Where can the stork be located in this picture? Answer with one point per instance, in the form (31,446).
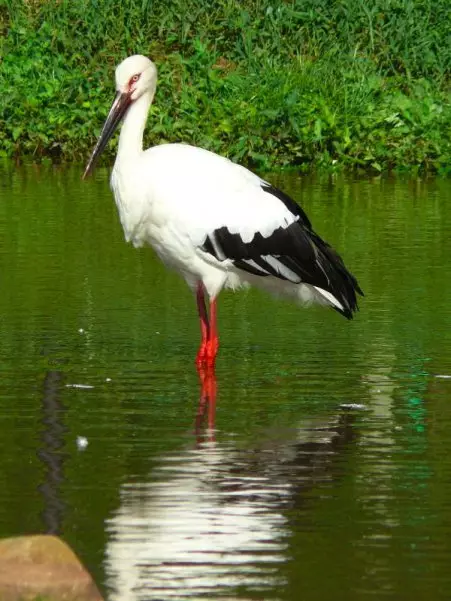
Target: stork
(215,222)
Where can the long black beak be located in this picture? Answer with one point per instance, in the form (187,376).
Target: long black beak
(116,114)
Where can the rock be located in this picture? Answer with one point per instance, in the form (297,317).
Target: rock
(43,566)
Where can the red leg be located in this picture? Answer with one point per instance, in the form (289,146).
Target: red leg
(206,356)
(213,340)
(204,325)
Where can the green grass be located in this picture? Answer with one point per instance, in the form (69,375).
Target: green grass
(326,83)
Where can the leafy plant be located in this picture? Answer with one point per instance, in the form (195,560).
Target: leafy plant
(344,83)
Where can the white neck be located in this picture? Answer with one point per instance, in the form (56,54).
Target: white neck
(131,138)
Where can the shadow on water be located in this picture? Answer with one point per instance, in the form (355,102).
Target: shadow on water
(212,519)
(51,454)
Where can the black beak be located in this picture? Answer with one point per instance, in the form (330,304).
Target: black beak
(115,116)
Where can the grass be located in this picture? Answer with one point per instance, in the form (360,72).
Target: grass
(323,83)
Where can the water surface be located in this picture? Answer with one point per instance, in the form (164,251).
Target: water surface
(323,467)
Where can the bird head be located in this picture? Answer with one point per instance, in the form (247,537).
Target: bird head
(135,76)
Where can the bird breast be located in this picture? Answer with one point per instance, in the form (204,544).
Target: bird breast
(134,205)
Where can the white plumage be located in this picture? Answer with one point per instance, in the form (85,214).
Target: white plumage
(212,220)
(186,193)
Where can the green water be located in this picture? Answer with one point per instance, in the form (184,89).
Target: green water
(285,490)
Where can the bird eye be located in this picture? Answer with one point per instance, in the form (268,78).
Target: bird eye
(135,78)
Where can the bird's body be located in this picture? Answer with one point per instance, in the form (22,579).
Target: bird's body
(215,222)
(185,194)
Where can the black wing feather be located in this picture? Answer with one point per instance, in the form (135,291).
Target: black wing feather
(291,205)
(295,247)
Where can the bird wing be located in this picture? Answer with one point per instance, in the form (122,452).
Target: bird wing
(291,251)
(200,191)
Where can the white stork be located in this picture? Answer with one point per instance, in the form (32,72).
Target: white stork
(217,223)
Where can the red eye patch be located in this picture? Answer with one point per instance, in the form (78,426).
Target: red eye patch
(133,79)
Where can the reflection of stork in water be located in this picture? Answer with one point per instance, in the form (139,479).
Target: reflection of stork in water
(211,519)
(207,402)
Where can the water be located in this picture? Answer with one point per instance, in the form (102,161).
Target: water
(321,470)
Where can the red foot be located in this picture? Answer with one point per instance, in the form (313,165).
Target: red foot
(201,354)
(206,357)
